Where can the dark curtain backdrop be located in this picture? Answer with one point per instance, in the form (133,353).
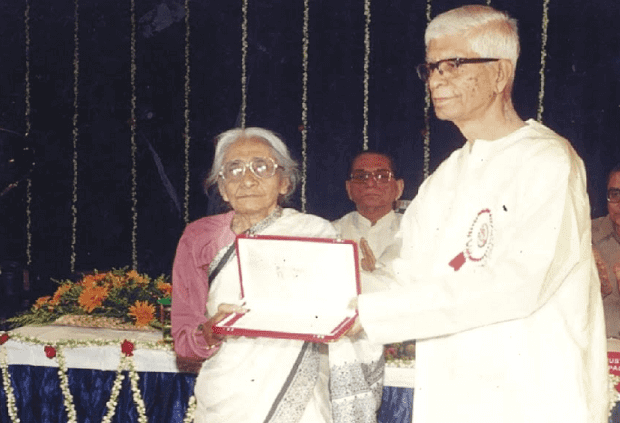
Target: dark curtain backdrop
(581,102)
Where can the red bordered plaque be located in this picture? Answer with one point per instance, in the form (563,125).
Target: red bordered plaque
(294,288)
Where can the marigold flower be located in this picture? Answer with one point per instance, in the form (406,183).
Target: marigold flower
(166,288)
(117,281)
(41,301)
(62,289)
(140,280)
(143,312)
(92,297)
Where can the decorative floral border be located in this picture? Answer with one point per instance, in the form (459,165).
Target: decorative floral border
(55,350)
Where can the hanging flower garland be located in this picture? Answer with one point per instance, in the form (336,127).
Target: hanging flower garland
(76,69)
(27,133)
(186,136)
(427,109)
(244,53)
(366,67)
(6,382)
(304,105)
(543,59)
(134,148)
(56,351)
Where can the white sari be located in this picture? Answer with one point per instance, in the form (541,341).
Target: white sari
(280,380)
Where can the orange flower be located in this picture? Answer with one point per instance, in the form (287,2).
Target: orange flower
(41,302)
(117,281)
(62,289)
(143,312)
(140,280)
(92,297)
(166,288)
(90,281)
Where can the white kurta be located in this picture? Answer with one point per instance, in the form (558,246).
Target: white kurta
(499,287)
(379,236)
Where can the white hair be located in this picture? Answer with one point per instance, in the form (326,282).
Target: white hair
(290,168)
(491,33)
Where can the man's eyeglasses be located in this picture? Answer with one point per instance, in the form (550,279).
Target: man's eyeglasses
(447,67)
(613,195)
(262,167)
(381,176)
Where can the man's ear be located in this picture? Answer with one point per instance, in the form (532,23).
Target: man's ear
(400,185)
(505,75)
(222,189)
(347,185)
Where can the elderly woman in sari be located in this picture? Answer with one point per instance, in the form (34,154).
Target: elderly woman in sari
(260,379)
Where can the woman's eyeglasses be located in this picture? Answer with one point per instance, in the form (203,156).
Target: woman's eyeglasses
(261,167)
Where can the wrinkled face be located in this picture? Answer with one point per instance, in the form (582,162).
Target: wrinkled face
(372,194)
(251,195)
(614,208)
(465,96)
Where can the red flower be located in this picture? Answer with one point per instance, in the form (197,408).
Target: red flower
(4,337)
(50,352)
(127,348)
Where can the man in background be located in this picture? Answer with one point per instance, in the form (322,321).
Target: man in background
(606,244)
(374,187)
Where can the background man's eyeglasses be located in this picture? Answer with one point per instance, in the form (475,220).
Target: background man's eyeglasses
(262,167)
(381,176)
(448,67)
(613,195)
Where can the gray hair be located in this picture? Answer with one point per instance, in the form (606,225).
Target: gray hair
(490,33)
(290,168)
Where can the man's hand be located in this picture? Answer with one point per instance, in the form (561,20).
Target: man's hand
(368,258)
(355,330)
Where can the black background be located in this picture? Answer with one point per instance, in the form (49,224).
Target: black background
(581,102)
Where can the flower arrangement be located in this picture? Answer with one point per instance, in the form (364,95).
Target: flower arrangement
(401,354)
(119,297)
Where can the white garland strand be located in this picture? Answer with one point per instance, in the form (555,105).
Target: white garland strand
(191,410)
(116,389)
(134,148)
(244,53)
(26,134)
(543,59)
(74,198)
(186,135)
(366,69)
(304,105)
(135,390)
(8,387)
(64,385)
(427,109)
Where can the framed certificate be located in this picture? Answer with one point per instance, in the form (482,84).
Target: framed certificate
(295,288)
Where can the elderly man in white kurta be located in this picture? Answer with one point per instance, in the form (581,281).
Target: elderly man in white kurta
(502,295)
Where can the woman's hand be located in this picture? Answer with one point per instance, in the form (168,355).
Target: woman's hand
(213,339)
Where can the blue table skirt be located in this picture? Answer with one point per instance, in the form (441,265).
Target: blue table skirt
(39,398)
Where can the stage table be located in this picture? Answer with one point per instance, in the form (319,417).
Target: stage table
(95,365)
